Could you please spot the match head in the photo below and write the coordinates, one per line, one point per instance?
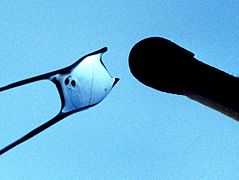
(161, 64)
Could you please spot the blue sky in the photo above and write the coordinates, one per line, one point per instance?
(136, 133)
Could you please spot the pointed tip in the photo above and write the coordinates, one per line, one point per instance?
(115, 81)
(104, 49)
(100, 51)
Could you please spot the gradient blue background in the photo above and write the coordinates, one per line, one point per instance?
(136, 133)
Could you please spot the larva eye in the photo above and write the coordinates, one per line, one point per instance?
(73, 83)
(67, 81)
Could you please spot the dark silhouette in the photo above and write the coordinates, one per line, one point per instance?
(165, 66)
(34, 132)
(80, 85)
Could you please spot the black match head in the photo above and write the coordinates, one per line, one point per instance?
(160, 64)
(165, 66)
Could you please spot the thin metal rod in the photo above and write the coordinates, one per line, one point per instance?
(34, 132)
(29, 80)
